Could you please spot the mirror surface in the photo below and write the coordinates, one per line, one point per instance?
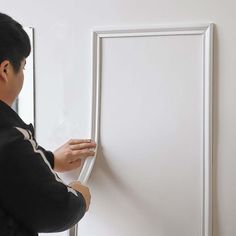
(24, 104)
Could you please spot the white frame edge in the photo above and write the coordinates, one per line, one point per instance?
(206, 30)
(207, 225)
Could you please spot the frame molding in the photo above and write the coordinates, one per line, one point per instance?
(206, 31)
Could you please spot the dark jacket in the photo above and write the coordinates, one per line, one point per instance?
(33, 199)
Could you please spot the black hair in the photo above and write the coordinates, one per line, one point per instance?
(14, 42)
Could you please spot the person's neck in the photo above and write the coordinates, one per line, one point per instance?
(7, 101)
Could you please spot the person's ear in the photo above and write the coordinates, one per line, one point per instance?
(4, 70)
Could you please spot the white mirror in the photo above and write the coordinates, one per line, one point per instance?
(25, 103)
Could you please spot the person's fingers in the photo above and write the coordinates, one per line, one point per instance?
(75, 164)
(78, 141)
(82, 153)
(82, 146)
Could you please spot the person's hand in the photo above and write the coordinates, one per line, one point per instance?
(70, 155)
(83, 190)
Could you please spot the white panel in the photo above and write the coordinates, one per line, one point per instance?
(153, 120)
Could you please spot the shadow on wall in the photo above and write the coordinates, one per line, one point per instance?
(104, 179)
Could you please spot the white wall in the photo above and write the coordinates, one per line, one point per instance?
(63, 70)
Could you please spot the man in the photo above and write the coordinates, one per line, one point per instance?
(33, 198)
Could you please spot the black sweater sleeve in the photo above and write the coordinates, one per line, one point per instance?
(31, 191)
(49, 155)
